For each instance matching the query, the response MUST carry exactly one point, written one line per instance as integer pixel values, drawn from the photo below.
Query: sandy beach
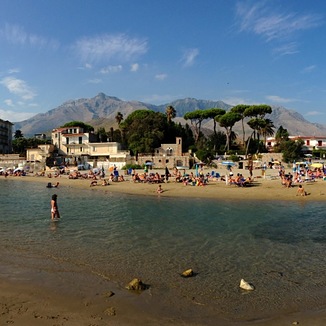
(262, 188)
(33, 304)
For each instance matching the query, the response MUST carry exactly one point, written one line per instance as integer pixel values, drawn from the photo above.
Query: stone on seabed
(136, 284)
(188, 273)
(246, 286)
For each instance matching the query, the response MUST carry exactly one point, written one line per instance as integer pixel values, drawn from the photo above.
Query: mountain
(101, 110)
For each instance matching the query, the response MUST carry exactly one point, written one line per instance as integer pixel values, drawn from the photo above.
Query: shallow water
(277, 246)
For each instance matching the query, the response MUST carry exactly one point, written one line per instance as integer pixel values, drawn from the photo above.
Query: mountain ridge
(100, 111)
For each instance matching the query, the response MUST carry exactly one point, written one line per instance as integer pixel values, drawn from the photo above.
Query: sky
(240, 52)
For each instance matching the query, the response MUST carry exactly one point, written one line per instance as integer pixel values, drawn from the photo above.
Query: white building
(310, 142)
(79, 147)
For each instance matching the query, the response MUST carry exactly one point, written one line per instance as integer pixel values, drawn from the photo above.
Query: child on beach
(54, 207)
(159, 189)
(301, 191)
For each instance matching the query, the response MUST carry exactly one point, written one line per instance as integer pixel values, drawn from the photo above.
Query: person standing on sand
(167, 174)
(54, 207)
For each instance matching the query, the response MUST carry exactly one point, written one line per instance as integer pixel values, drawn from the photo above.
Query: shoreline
(35, 303)
(269, 188)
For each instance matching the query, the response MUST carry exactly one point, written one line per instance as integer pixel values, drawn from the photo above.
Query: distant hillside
(100, 111)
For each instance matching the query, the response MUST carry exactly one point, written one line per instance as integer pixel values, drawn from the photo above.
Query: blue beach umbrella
(228, 163)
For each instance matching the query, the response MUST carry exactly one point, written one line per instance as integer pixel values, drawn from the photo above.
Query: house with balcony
(77, 147)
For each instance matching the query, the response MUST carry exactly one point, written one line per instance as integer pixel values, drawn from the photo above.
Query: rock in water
(188, 273)
(136, 284)
(246, 286)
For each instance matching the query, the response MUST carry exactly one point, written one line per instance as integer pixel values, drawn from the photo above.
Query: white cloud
(108, 47)
(308, 69)
(9, 102)
(134, 67)
(15, 116)
(235, 101)
(13, 71)
(189, 57)
(95, 81)
(111, 69)
(278, 99)
(17, 35)
(161, 76)
(265, 21)
(313, 113)
(159, 99)
(286, 49)
(18, 87)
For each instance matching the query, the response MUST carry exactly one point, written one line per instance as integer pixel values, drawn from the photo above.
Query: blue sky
(155, 51)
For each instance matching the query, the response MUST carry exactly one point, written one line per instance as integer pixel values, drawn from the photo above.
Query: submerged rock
(110, 311)
(136, 284)
(188, 273)
(246, 286)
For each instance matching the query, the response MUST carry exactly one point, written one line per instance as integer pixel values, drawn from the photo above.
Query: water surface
(278, 246)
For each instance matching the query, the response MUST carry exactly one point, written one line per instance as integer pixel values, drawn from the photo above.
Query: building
(167, 155)
(77, 147)
(5, 137)
(310, 143)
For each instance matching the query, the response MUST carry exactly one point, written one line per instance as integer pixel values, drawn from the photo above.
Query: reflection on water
(280, 247)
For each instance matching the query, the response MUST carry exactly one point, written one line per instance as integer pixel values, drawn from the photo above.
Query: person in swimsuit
(54, 207)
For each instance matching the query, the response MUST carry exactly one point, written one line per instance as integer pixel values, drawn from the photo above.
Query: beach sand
(34, 304)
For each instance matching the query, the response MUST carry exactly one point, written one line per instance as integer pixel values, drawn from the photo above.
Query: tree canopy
(86, 127)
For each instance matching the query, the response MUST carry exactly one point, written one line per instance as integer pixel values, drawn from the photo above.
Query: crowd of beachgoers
(204, 176)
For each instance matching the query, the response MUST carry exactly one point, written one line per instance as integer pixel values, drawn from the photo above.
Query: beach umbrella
(317, 165)
(228, 163)
(149, 163)
(182, 167)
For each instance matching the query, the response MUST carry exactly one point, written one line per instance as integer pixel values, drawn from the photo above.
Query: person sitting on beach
(121, 178)
(301, 191)
(135, 177)
(104, 182)
(93, 183)
(178, 177)
(159, 189)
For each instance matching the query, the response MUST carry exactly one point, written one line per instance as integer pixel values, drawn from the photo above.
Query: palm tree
(267, 129)
(170, 113)
(119, 118)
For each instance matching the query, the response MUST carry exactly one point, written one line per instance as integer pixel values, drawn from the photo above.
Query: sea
(106, 238)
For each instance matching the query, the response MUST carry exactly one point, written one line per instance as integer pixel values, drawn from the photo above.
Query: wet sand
(36, 304)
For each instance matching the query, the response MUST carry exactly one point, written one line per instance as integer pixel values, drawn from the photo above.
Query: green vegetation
(20, 143)
(145, 130)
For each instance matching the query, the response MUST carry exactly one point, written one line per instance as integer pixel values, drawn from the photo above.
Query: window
(80, 140)
(67, 140)
(80, 149)
(320, 143)
(308, 142)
